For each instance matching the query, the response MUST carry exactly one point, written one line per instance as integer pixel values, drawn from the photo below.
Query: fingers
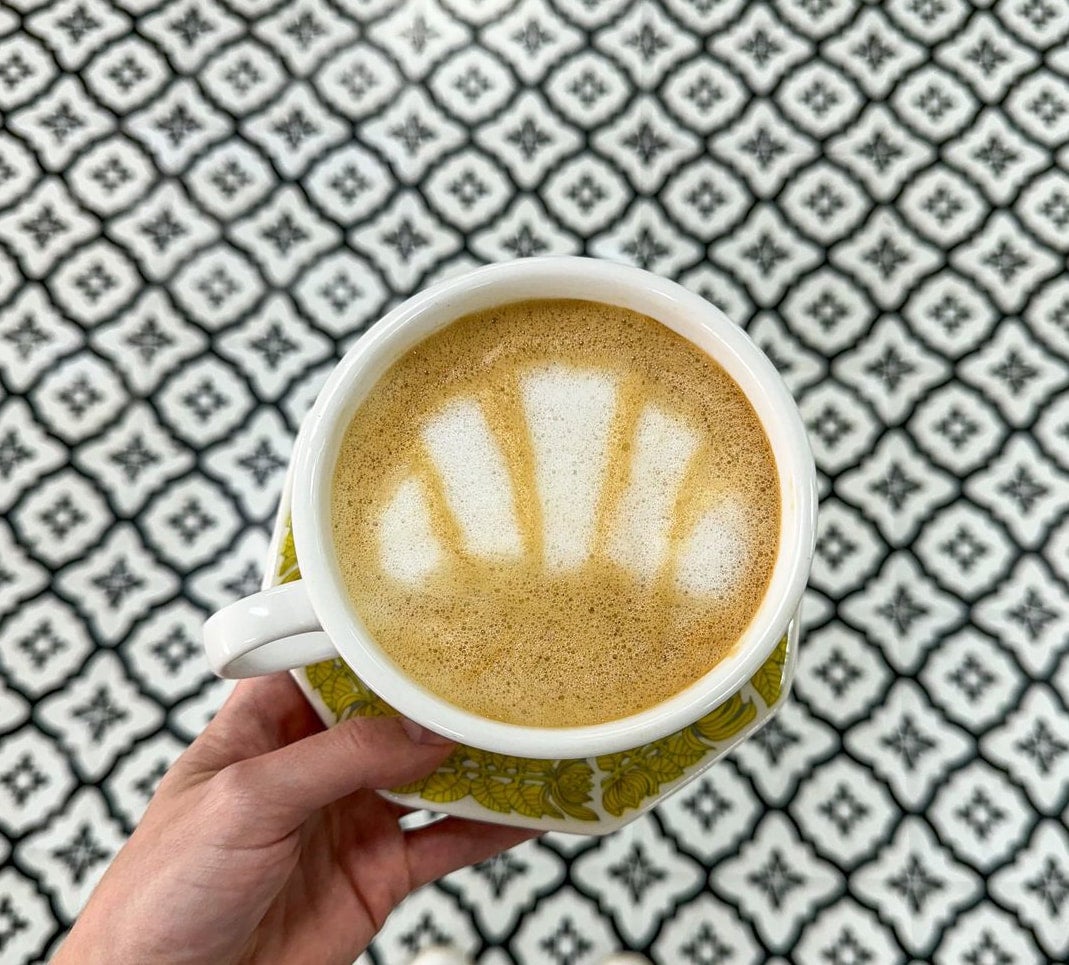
(293, 781)
(260, 715)
(455, 843)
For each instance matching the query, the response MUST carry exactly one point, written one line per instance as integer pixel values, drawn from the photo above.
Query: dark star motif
(972, 677)
(285, 234)
(873, 51)
(1006, 260)
(765, 254)
(339, 291)
(880, 151)
(707, 804)
(412, 133)
(826, 310)
(566, 946)
(950, 313)
(776, 879)
(835, 547)
(44, 226)
(956, 427)
(11, 922)
(908, 742)
(981, 813)
(146, 785)
(349, 183)
(118, 582)
(764, 148)
(163, 230)
(646, 42)
(304, 29)
(886, 256)
(915, 883)
(934, 101)
(646, 143)
(191, 520)
(843, 809)
(27, 336)
(245, 583)
(419, 33)
(1023, 488)
(112, 174)
(902, 609)
(636, 872)
(14, 71)
(588, 88)
(890, 368)
(358, 81)
(175, 649)
(1033, 614)
(1042, 746)
(529, 138)
(1056, 208)
(424, 934)
(62, 122)
(838, 673)
(12, 453)
(62, 516)
(23, 779)
(467, 188)
(1038, 12)
(824, 202)
(830, 425)
(204, 400)
(819, 98)
(230, 177)
(927, 10)
(705, 948)
(706, 198)
(82, 853)
(1047, 106)
(996, 155)
(500, 871)
(586, 192)
(95, 281)
(645, 248)
(405, 239)
(135, 458)
(127, 74)
(78, 23)
(1051, 886)
(191, 26)
(761, 47)
(472, 84)
(263, 462)
(100, 714)
(524, 243)
(895, 486)
(79, 396)
(847, 950)
(178, 125)
(704, 94)
(1014, 371)
(774, 738)
(533, 37)
(987, 952)
(943, 206)
(987, 57)
(273, 346)
(243, 76)
(149, 340)
(295, 129)
(41, 644)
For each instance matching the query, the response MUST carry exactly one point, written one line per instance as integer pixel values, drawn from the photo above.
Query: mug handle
(272, 630)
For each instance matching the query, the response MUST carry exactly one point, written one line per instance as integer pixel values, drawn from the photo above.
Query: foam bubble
(569, 412)
(661, 450)
(715, 555)
(475, 478)
(408, 548)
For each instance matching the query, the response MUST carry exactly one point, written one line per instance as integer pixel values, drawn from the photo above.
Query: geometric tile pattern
(204, 202)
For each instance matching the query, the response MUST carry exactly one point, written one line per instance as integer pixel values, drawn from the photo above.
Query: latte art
(555, 513)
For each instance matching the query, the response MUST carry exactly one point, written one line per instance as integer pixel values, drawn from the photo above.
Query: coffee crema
(555, 513)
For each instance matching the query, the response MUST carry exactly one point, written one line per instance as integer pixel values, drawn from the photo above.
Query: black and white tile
(204, 202)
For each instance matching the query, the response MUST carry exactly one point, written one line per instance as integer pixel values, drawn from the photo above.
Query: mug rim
(414, 320)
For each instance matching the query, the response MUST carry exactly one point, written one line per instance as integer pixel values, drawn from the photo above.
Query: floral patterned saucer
(587, 796)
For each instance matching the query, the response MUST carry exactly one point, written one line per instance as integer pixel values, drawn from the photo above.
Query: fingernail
(421, 735)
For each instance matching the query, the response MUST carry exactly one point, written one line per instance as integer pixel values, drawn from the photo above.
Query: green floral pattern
(537, 788)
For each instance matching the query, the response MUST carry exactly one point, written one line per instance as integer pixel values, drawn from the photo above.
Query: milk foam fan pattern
(204, 202)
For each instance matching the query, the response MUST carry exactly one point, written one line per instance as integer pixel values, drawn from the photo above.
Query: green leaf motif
(287, 571)
(768, 681)
(345, 694)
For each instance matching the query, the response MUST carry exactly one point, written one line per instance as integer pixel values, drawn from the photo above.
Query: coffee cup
(310, 620)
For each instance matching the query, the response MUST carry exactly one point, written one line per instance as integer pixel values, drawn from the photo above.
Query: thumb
(360, 753)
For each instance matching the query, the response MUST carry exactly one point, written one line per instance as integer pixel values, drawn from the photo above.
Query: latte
(555, 513)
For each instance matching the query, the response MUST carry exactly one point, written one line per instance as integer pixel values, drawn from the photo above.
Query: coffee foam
(556, 513)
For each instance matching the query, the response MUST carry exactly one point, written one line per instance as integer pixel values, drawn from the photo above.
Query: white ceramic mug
(312, 619)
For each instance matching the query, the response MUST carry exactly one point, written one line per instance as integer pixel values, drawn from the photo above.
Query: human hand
(265, 843)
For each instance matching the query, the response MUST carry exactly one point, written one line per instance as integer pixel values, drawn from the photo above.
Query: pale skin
(266, 843)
